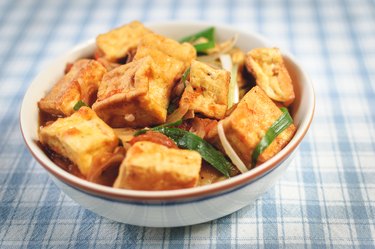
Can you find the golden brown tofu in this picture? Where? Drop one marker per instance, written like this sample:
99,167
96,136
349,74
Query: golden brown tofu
151,166
267,66
80,83
107,64
132,95
80,137
248,123
137,94
171,57
208,93
117,43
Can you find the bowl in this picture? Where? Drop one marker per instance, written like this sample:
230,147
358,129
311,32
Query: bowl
173,207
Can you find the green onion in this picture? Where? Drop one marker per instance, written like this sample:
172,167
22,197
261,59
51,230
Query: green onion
188,140
209,34
283,122
79,104
184,76
143,131
173,105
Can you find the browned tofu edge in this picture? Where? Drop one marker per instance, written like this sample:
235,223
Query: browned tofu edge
261,113
210,105
151,177
54,143
133,97
277,86
118,42
80,83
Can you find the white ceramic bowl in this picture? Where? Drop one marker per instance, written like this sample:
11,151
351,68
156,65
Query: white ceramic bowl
175,207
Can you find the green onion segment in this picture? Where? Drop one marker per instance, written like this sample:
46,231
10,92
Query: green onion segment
79,104
209,34
173,124
283,122
184,76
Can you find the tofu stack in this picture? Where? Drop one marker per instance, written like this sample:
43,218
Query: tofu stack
137,94
129,85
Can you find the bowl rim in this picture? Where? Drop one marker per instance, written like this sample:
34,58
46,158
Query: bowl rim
179,194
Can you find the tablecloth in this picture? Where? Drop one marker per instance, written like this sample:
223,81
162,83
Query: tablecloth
326,199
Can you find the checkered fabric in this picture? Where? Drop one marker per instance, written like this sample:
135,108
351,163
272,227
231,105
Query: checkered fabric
326,199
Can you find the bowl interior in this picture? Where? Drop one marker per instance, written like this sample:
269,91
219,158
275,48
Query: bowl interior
301,110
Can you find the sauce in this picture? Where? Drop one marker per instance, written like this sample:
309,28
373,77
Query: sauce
45,118
61,161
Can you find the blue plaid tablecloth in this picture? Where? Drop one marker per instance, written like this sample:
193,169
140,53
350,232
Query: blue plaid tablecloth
326,199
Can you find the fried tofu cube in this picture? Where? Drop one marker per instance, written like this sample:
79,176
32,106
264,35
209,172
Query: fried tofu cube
171,57
79,138
268,68
151,166
249,122
80,83
117,43
132,95
137,94
208,90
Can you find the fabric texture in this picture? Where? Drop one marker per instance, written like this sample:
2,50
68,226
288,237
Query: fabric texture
326,199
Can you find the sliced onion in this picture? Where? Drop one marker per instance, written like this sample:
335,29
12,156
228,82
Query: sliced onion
198,128
229,149
178,114
106,163
226,62
183,107
189,114
222,48
233,93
